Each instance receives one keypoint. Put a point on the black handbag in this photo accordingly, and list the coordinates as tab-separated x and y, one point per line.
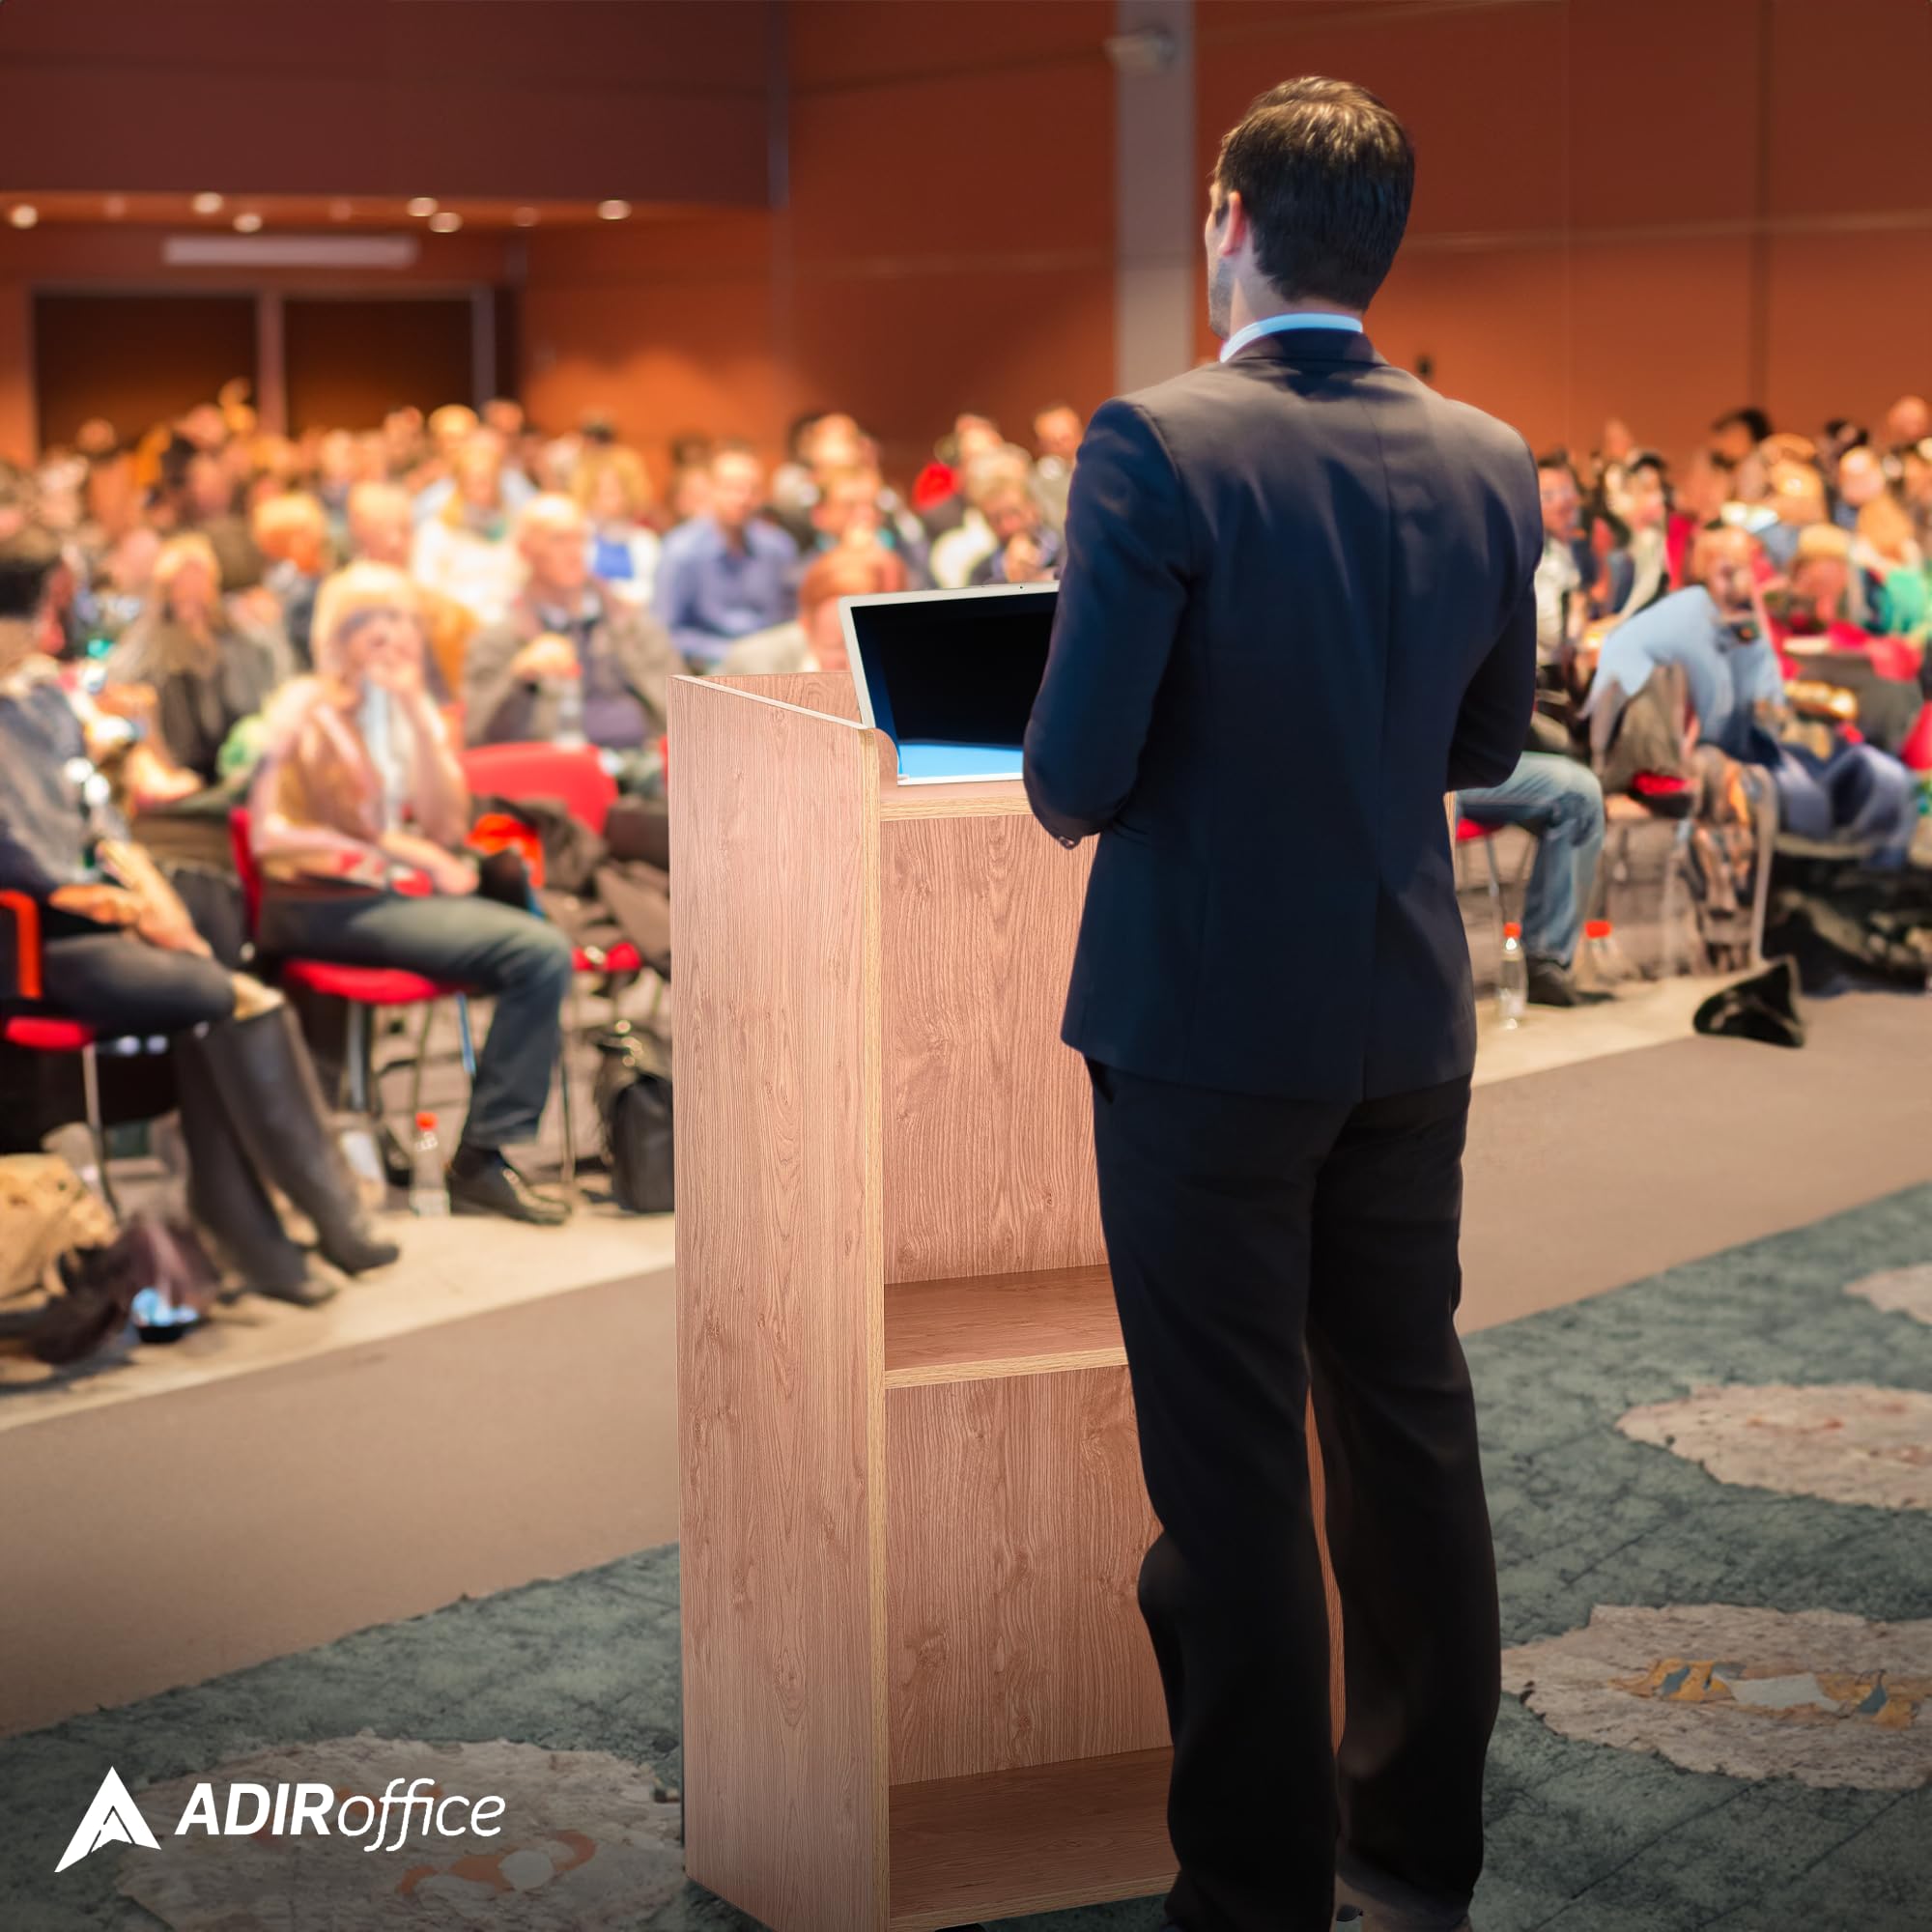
633	1105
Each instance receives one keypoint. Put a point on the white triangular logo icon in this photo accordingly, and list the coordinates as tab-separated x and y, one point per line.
112	1819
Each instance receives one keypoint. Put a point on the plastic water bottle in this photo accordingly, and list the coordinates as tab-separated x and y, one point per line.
429	1191
1608	964
1513	979
569	694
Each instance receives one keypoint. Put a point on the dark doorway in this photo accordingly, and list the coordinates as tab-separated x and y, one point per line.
350	361
136	360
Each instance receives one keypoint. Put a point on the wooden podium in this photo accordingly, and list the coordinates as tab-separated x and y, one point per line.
917	1688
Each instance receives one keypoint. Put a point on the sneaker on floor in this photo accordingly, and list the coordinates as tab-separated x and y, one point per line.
1550	986
484	1182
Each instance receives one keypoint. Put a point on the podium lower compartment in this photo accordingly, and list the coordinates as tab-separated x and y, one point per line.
1041	1839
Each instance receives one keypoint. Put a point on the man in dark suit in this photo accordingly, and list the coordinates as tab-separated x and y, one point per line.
1297	608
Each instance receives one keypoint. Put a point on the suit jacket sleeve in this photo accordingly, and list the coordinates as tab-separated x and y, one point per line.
1493	727
644	651
1121	597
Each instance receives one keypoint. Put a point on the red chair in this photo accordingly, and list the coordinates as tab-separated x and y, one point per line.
36	1033
362	988
1472	832
574	773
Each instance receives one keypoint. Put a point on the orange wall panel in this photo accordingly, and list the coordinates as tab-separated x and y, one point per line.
869	44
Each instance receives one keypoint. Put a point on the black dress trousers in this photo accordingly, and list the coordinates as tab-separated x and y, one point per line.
1261	1247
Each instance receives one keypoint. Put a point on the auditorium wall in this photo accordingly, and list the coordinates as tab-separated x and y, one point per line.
944	239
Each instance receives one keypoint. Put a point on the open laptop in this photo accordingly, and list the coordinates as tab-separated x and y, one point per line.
950	676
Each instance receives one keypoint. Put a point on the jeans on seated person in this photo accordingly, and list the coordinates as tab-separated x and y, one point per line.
1855	790
1560	802
474	943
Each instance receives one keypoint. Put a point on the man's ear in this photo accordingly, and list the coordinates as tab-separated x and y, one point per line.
1234	225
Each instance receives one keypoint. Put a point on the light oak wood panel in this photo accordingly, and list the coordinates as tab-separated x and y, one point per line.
781	1391
1016	1525
1001	1325
831	692
989	1126
1025	1841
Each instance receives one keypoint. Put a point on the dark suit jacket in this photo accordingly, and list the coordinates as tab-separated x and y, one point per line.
1297	608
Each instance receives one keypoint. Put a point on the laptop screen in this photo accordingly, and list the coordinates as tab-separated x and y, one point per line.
951	678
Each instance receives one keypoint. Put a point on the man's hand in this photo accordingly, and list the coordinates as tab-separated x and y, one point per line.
545	657
104	905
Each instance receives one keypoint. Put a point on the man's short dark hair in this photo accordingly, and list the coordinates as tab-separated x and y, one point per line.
1559	459
1326	172
27	559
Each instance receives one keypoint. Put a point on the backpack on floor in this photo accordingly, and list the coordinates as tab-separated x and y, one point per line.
634	1104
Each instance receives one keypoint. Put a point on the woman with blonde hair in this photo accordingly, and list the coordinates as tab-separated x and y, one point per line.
613	490
357	819
208	672
463	549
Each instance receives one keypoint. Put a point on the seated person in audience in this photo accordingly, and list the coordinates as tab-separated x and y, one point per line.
380	530
939	491
615	490
1559	800
815	638
1861	478
292	533
1798	498
566	646
356	815
726	573
1000	505
451	430
208	668
852	508
463	549
1057	431
340	464
208	492
120	953
1718	634
1638	570
1737	433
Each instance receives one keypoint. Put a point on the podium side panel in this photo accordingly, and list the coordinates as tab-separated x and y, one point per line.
1018	1525
988	1125
781	1396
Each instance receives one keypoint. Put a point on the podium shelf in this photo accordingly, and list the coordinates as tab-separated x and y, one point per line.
991	1326
1040	1839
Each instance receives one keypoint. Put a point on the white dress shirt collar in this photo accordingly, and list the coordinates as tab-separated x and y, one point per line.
1274	324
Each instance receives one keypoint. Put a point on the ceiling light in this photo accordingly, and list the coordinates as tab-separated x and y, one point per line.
247	224
207	204
423	204
524	217
614	210
447	223
114	207
339	211
23	214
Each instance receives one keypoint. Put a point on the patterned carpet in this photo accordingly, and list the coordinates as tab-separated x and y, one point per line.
1712	1499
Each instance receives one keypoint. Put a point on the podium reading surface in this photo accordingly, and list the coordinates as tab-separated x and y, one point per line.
917	1687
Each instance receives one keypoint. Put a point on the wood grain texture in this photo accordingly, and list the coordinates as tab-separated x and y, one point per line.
781	1391
1016	1525
989	1126
1001	1325
1026	1841
828	692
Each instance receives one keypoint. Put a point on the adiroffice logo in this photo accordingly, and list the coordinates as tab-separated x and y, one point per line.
289	1810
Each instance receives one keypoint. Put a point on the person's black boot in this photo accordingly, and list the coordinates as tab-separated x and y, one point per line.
481	1182
264	1076
227	1200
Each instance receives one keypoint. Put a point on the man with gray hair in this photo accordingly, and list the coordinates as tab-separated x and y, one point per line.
566	662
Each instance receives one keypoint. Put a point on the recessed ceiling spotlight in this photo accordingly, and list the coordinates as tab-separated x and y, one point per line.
446	222
422	205
207	204
23	214
524	217
247	223
614	210
339	211
114	207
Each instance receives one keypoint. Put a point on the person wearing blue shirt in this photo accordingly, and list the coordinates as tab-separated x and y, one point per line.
723	574
1715	631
